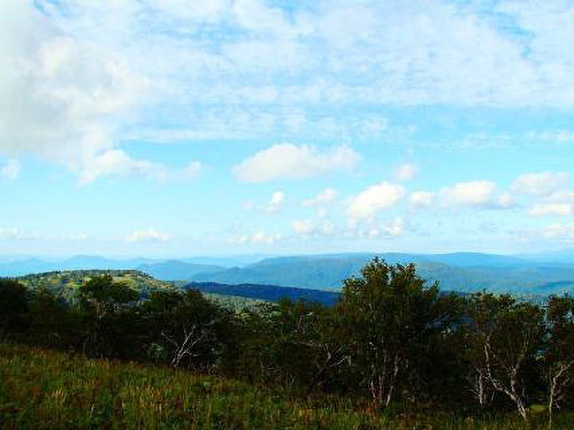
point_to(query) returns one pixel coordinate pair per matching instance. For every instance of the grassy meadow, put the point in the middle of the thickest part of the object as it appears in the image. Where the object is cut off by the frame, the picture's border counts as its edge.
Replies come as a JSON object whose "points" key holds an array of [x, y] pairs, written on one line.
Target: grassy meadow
{"points": [[41, 389]]}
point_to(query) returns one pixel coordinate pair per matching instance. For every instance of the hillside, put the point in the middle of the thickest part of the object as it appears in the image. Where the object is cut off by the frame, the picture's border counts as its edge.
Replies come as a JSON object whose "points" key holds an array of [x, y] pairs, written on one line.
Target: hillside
{"points": [[466, 272], [11, 266], [270, 293], [178, 270], [67, 282], [81, 393]]}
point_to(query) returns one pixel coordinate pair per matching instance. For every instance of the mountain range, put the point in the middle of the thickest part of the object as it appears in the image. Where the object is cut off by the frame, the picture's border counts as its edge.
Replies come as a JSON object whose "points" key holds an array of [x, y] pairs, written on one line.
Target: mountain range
{"points": [[464, 271]]}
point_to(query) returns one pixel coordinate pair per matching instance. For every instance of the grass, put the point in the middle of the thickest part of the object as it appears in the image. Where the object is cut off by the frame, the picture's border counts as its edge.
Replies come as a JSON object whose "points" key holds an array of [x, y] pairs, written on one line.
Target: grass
{"points": [[42, 389]]}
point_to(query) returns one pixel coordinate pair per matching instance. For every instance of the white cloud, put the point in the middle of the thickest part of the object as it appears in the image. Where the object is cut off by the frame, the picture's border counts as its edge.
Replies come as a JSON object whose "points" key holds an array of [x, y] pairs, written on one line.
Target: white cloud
{"points": [[478, 194], [420, 199], [540, 184], [206, 11], [563, 232], [259, 237], [560, 196], [548, 209], [395, 228], [83, 88], [324, 198], [288, 161], [308, 227], [11, 170], [276, 202], [366, 204], [303, 227], [193, 170], [148, 235], [10, 234], [406, 172], [328, 228], [262, 237], [62, 98], [117, 162]]}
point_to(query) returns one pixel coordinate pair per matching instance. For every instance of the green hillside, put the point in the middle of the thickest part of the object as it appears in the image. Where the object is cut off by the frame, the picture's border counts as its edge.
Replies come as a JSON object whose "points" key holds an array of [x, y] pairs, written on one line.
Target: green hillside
{"points": [[41, 389], [66, 283], [454, 274]]}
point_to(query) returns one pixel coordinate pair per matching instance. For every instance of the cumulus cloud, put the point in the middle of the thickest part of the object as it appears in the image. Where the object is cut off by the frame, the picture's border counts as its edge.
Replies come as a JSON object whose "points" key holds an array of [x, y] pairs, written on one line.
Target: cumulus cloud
{"points": [[10, 234], [366, 204], [540, 184], [62, 98], [405, 172], [563, 232], [359, 55], [324, 198], [303, 227], [392, 229], [260, 237], [193, 170], [420, 199], [276, 202], [148, 235], [288, 161], [307, 227], [477, 194], [10, 170], [117, 162], [548, 209]]}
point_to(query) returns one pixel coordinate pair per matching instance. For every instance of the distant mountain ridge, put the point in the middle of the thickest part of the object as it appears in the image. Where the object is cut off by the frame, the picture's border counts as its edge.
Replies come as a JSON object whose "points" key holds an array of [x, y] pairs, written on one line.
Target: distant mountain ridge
{"points": [[457, 272], [177, 270], [464, 271], [14, 266], [271, 293]]}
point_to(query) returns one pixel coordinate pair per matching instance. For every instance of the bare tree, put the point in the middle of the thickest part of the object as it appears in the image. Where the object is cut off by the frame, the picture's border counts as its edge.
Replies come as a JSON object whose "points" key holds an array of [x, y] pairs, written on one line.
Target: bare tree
{"points": [[559, 353], [504, 336], [186, 343]]}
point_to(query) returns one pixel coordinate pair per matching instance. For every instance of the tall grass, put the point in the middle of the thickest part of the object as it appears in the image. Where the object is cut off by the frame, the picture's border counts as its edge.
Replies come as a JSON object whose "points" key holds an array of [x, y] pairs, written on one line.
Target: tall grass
{"points": [[42, 389]]}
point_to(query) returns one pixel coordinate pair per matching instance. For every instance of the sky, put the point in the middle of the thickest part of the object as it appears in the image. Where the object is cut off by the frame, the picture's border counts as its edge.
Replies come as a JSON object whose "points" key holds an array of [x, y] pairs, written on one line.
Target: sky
{"points": [[171, 128]]}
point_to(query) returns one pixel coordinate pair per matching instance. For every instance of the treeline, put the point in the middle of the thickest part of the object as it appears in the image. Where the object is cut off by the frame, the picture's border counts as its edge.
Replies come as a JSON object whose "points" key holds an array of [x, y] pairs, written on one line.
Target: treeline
{"points": [[390, 338]]}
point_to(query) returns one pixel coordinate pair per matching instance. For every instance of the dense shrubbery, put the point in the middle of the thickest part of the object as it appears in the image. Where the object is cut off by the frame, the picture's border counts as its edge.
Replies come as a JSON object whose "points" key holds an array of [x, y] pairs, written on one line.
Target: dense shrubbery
{"points": [[390, 340]]}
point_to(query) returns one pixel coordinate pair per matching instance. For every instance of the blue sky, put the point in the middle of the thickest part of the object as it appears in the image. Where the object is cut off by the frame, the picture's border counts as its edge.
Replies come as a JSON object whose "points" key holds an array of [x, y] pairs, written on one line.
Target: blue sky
{"points": [[179, 128]]}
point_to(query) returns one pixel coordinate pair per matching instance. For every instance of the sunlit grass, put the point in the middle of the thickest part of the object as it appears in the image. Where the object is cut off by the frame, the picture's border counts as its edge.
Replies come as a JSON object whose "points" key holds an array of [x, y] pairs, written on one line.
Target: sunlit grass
{"points": [[42, 389]]}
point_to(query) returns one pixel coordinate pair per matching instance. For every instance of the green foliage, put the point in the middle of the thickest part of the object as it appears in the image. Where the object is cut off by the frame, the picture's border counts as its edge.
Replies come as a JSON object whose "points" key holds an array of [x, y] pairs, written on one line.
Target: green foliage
{"points": [[390, 319], [66, 284], [390, 346], [14, 299], [46, 390], [186, 328]]}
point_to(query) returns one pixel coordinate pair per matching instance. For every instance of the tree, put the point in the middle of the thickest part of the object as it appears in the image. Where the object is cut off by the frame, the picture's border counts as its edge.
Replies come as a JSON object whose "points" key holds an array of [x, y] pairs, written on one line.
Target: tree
{"points": [[52, 322], [390, 317], [103, 300], [292, 342], [504, 339], [483, 310], [559, 351], [188, 328], [14, 300]]}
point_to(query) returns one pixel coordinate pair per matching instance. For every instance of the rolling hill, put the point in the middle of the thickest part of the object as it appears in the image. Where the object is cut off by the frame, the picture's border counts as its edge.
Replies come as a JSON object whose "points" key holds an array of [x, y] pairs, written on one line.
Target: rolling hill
{"points": [[178, 270], [466, 272], [65, 283], [271, 293]]}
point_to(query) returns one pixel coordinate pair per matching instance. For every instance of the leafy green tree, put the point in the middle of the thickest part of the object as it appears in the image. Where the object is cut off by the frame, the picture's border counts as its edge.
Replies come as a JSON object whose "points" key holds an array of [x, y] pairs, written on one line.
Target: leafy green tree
{"points": [[505, 339], [389, 317], [291, 342], [14, 308], [188, 329], [103, 301], [559, 352], [52, 321]]}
